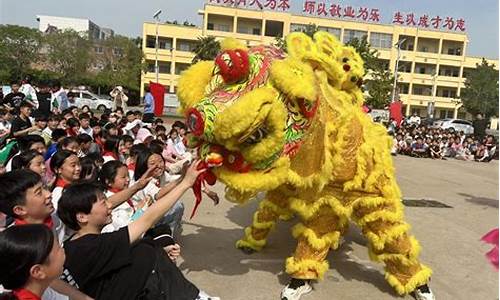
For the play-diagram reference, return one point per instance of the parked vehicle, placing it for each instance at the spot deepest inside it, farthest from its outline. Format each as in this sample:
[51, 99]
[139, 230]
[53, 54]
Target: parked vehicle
[85, 97]
[456, 124]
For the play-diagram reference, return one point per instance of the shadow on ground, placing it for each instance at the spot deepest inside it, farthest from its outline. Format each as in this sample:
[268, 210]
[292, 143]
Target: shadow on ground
[482, 201]
[213, 249]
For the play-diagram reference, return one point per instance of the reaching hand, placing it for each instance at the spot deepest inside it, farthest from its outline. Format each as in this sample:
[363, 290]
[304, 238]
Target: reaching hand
[146, 178]
[173, 251]
[192, 173]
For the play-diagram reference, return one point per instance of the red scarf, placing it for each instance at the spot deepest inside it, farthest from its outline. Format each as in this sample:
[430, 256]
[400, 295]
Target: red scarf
[47, 222]
[115, 190]
[62, 183]
[112, 154]
[23, 294]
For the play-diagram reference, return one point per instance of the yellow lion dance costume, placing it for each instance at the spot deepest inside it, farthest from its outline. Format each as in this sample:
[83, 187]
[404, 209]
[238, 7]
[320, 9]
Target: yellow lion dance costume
[291, 124]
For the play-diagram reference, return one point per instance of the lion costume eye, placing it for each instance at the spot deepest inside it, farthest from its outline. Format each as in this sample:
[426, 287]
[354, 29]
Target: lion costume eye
[256, 136]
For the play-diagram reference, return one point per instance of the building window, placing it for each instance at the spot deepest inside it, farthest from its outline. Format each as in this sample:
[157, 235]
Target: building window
[150, 41]
[165, 43]
[331, 30]
[422, 90]
[117, 52]
[425, 69]
[353, 34]
[449, 71]
[274, 28]
[381, 40]
[185, 45]
[404, 67]
[163, 67]
[294, 27]
[404, 88]
[210, 26]
[98, 50]
[179, 67]
[447, 93]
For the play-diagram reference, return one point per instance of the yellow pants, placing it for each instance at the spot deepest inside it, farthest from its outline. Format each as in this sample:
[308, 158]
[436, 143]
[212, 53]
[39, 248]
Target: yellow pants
[325, 218]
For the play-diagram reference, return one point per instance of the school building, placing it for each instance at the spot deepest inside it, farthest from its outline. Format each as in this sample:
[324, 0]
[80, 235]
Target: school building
[432, 68]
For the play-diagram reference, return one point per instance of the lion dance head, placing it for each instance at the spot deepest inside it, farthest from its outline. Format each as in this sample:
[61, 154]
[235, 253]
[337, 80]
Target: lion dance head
[249, 110]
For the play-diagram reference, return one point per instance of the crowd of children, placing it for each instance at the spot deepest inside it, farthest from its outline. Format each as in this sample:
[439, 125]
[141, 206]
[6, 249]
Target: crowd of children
[91, 205]
[437, 143]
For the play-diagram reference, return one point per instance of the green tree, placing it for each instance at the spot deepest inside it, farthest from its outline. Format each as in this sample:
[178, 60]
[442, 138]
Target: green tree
[378, 81]
[206, 48]
[368, 54]
[19, 48]
[480, 94]
[121, 59]
[378, 84]
[68, 53]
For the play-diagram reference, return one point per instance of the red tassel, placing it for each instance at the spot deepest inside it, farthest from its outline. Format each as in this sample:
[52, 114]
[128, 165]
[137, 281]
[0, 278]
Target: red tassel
[207, 177]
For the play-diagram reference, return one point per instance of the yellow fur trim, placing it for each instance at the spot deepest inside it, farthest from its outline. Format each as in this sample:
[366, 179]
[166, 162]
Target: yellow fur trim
[256, 180]
[191, 87]
[381, 215]
[295, 78]
[249, 242]
[257, 108]
[306, 265]
[262, 225]
[330, 240]
[232, 44]
[379, 240]
[282, 212]
[404, 258]
[299, 44]
[307, 211]
[421, 278]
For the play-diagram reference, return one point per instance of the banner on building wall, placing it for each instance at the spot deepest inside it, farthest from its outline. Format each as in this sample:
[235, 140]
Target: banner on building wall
[345, 11]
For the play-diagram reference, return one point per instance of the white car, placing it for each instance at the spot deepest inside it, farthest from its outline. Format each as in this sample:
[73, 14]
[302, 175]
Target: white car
[456, 124]
[84, 97]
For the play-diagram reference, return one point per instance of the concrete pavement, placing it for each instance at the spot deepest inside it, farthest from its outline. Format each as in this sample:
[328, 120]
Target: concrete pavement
[449, 238]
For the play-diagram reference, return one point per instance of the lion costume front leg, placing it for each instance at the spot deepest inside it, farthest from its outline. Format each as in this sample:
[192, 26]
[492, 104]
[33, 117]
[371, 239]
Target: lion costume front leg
[272, 208]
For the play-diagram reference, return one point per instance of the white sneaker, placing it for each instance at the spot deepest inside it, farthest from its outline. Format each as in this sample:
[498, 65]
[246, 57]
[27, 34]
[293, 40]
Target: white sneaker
[294, 294]
[424, 293]
[204, 296]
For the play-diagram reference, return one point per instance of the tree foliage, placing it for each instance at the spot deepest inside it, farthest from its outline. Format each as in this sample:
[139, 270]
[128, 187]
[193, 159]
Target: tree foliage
[19, 48]
[378, 81]
[206, 48]
[480, 94]
[68, 53]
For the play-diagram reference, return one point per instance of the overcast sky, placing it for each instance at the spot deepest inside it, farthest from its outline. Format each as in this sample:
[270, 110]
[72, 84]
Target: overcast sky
[126, 16]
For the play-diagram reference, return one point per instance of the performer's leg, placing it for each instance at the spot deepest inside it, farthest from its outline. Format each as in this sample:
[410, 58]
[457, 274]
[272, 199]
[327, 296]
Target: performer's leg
[381, 220]
[324, 221]
[323, 224]
[274, 206]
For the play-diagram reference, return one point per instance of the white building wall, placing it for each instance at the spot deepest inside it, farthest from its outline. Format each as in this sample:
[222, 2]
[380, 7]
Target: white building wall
[62, 23]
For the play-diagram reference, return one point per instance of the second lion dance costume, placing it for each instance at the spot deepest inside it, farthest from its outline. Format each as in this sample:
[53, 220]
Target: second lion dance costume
[291, 124]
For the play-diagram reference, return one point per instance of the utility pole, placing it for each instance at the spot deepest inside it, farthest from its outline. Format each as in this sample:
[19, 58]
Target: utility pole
[398, 46]
[156, 16]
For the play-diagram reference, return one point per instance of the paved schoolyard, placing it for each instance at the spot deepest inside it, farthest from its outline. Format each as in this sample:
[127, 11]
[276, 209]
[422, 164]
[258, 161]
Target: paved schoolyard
[449, 237]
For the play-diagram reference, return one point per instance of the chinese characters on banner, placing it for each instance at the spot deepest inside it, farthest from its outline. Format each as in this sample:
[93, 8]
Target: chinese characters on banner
[278, 5]
[425, 21]
[348, 12]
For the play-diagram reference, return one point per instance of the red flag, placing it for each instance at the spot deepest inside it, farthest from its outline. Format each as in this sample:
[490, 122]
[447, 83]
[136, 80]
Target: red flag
[158, 92]
[395, 111]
